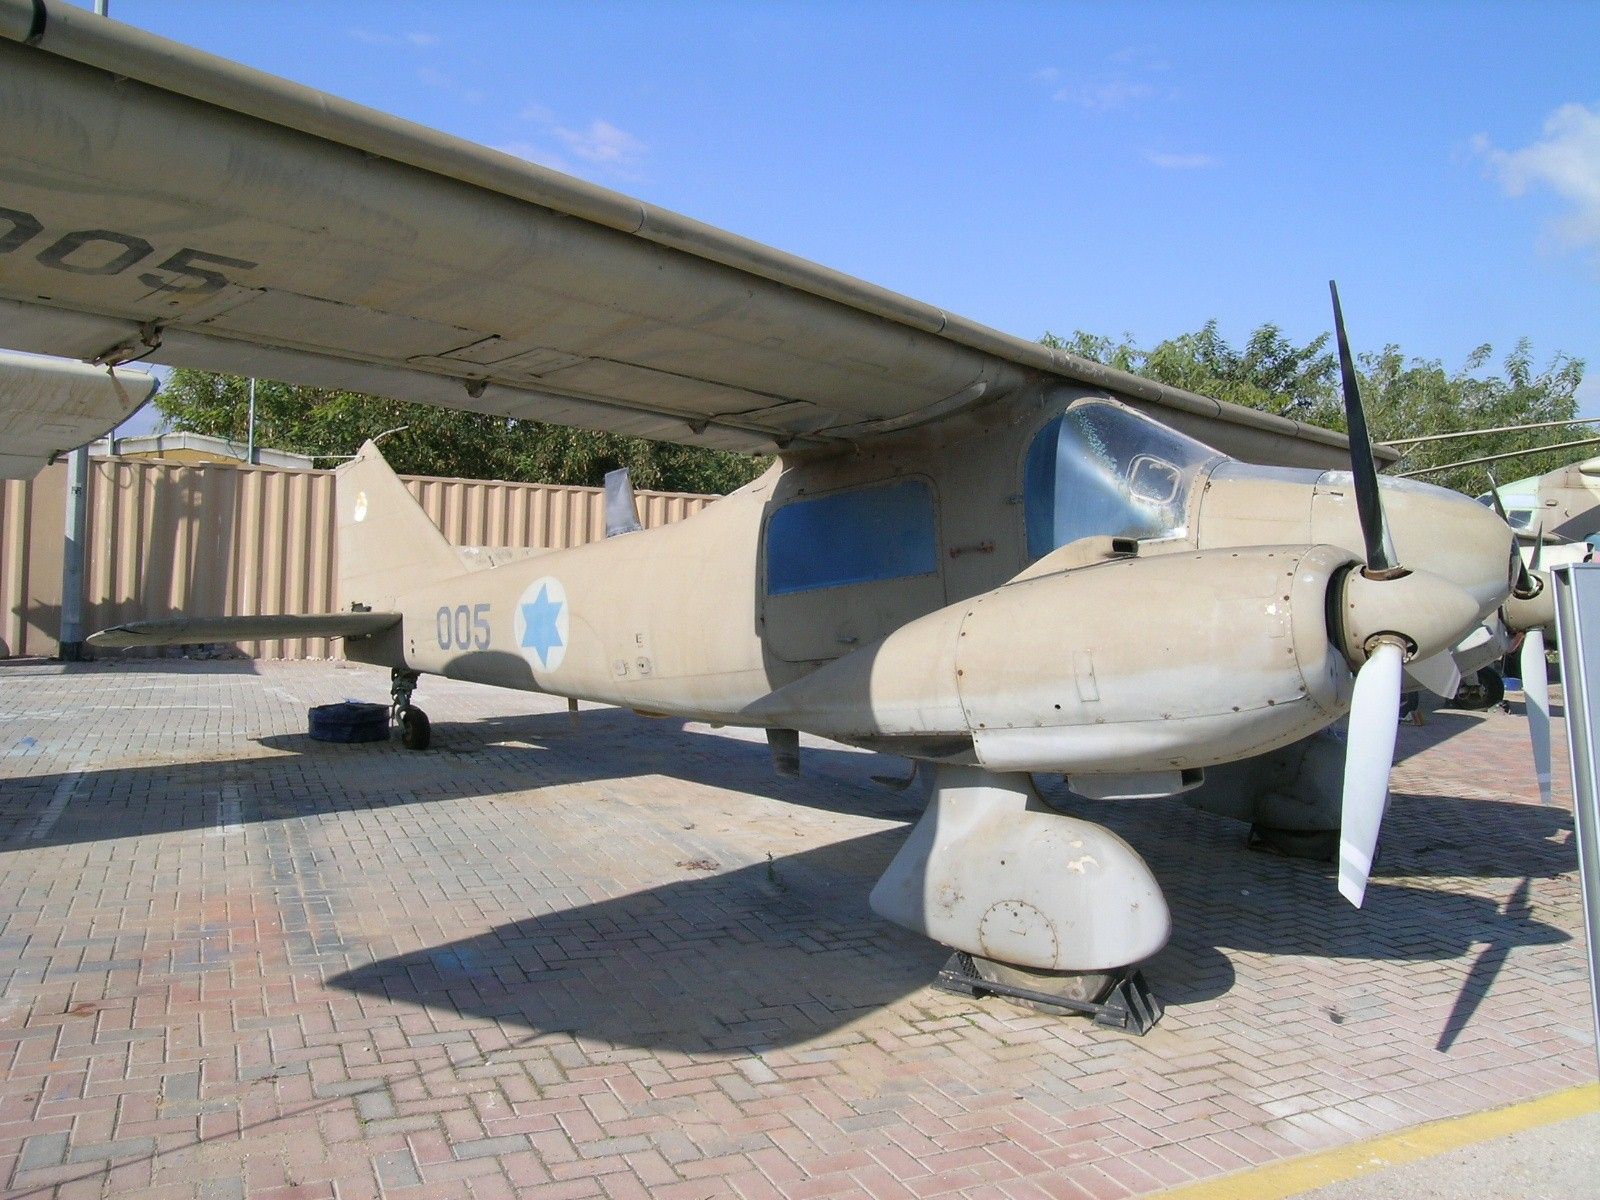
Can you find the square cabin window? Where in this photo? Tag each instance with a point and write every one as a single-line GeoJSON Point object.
{"type": "Point", "coordinates": [862, 536]}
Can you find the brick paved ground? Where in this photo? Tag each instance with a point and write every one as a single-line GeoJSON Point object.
{"type": "Point", "coordinates": [627, 959]}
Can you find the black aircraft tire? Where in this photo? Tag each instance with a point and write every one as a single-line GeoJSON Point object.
{"type": "Point", "coordinates": [1319, 845]}
{"type": "Point", "coordinates": [415, 731]}
{"type": "Point", "coordinates": [1481, 693]}
{"type": "Point", "coordinates": [349, 721]}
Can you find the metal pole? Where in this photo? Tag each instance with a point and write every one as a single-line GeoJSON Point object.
{"type": "Point", "coordinates": [1396, 443]}
{"type": "Point", "coordinates": [72, 557]}
{"type": "Point", "coordinates": [1578, 630]}
{"type": "Point", "coordinates": [250, 438]}
{"type": "Point", "coordinates": [1489, 458]}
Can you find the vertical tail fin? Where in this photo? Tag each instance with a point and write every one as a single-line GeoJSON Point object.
{"type": "Point", "coordinates": [386, 542]}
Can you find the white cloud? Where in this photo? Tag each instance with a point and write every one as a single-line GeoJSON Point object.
{"type": "Point", "coordinates": [1143, 57]}
{"type": "Point", "coordinates": [600, 144]}
{"type": "Point", "coordinates": [1566, 160]}
{"type": "Point", "coordinates": [1105, 95]}
{"type": "Point", "coordinates": [448, 84]}
{"type": "Point", "coordinates": [541, 155]}
{"type": "Point", "coordinates": [1047, 75]}
{"type": "Point", "coordinates": [372, 37]}
{"type": "Point", "coordinates": [1180, 162]}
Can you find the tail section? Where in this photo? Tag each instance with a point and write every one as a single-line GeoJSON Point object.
{"type": "Point", "coordinates": [387, 544]}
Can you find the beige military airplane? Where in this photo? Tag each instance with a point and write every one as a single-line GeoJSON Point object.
{"type": "Point", "coordinates": [972, 550]}
{"type": "Point", "coordinates": [1562, 505]}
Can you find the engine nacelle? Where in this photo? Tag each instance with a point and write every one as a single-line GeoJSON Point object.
{"type": "Point", "coordinates": [1095, 669]}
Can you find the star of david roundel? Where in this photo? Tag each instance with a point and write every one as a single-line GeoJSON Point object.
{"type": "Point", "coordinates": [541, 623]}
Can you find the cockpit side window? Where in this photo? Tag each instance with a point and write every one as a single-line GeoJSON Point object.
{"type": "Point", "coordinates": [860, 536]}
{"type": "Point", "coordinates": [1102, 470]}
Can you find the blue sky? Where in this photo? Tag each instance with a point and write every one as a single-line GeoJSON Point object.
{"type": "Point", "coordinates": [1117, 168]}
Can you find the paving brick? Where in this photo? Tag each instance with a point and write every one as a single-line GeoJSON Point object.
{"type": "Point", "coordinates": [499, 969]}
{"type": "Point", "coordinates": [490, 1147]}
{"type": "Point", "coordinates": [43, 1150]}
{"type": "Point", "coordinates": [396, 1169]}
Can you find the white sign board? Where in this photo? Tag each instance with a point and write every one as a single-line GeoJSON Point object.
{"type": "Point", "coordinates": [1578, 628]}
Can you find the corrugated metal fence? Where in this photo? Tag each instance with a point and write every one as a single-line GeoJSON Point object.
{"type": "Point", "coordinates": [167, 539]}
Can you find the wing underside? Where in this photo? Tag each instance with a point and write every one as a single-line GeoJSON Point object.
{"type": "Point", "coordinates": [49, 405]}
{"type": "Point", "coordinates": [155, 200]}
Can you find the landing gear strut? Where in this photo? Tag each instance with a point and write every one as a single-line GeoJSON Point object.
{"type": "Point", "coordinates": [415, 732]}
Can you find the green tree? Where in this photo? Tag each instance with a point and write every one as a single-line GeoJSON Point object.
{"type": "Point", "coordinates": [331, 425]}
{"type": "Point", "coordinates": [1403, 397]}
{"type": "Point", "coordinates": [1418, 396]}
{"type": "Point", "coordinates": [1270, 372]}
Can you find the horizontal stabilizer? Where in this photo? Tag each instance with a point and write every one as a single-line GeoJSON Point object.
{"type": "Point", "coordinates": [187, 631]}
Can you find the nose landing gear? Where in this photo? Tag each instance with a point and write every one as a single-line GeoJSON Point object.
{"type": "Point", "coordinates": [415, 731]}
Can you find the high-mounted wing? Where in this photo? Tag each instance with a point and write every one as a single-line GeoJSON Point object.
{"type": "Point", "coordinates": [154, 196]}
{"type": "Point", "coordinates": [48, 406]}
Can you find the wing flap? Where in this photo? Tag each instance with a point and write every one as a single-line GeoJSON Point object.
{"type": "Point", "coordinates": [189, 631]}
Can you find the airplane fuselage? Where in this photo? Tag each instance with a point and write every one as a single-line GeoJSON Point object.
{"type": "Point", "coordinates": [836, 594]}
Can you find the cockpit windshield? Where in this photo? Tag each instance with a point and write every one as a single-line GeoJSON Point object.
{"type": "Point", "coordinates": [1103, 470]}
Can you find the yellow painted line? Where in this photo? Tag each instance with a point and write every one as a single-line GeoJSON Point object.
{"type": "Point", "coordinates": [1273, 1181]}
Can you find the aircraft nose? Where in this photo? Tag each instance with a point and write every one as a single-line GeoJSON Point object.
{"type": "Point", "coordinates": [1432, 528]}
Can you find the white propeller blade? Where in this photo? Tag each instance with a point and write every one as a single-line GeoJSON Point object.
{"type": "Point", "coordinates": [1536, 689]}
{"type": "Point", "coordinates": [1369, 753]}
{"type": "Point", "coordinates": [1438, 674]}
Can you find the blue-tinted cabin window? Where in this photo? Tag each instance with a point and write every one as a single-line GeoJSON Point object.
{"type": "Point", "coordinates": [1100, 470]}
{"type": "Point", "coordinates": [852, 537]}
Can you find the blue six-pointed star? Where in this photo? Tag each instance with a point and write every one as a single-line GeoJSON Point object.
{"type": "Point", "coordinates": [539, 632]}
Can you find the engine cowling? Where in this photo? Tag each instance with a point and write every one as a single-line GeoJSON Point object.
{"type": "Point", "coordinates": [1169, 661]}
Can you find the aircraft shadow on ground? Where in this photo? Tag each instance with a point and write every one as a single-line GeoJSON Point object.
{"type": "Point", "coordinates": [475, 758]}
{"type": "Point", "coordinates": [777, 953]}
{"type": "Point", "coordinates": [765, 955]}
{"type": "Point", "coordinates": [614, 743]}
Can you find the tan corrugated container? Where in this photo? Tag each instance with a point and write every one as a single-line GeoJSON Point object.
{"type": "Point", "coordinates": [33, 515]}
{"type": "Point", "coordinates": [211, 540]}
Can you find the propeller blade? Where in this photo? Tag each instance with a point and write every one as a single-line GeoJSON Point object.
{"type": "Point", "coordinates": [1536, 689]}
{"type": "Point", "coordinates": [1369, 504]}
{"type": "Point", "coordinates": [1494, 498]}
{"type": "Point", "coordinates": [1369, 753]}
{"type": "Point", "coordinates": [1438, 674]}
{"type": "Point", "coordinates": [1523, 586]}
